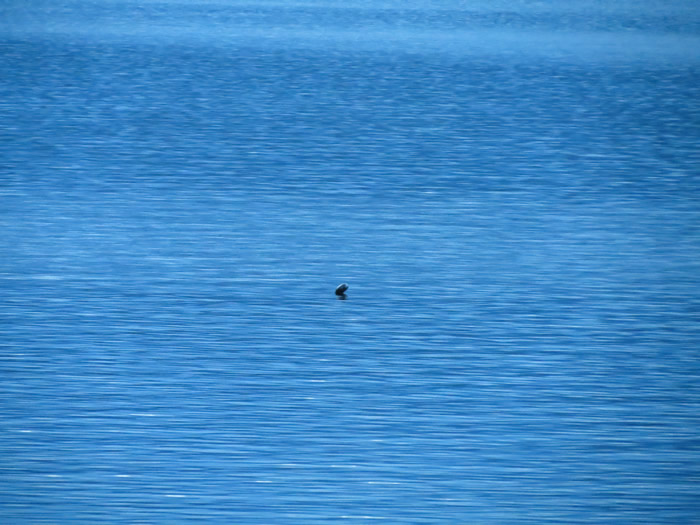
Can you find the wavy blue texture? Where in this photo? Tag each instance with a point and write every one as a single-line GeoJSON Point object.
{"type": "Point", "coordinates": [510, 189]}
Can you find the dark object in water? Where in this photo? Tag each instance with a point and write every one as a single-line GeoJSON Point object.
{"type": "Point", "coordinates": [340, 290]}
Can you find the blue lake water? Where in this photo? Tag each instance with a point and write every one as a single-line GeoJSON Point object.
{"type": "Point", "coordinates": [511, 190]}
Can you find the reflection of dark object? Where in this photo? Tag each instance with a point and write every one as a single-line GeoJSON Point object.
{"type": "Point", "coordinates": [340, 291]}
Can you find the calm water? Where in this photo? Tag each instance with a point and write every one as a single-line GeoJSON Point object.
{"type": "Point", "coordinates": [511, 189]}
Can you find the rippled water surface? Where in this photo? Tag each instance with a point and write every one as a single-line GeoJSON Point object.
{"type": "Point", "coordinates": [511, 190]}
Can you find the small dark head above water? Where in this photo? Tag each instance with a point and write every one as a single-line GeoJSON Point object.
{"type": "Point", "coordinates": [340, 290]}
